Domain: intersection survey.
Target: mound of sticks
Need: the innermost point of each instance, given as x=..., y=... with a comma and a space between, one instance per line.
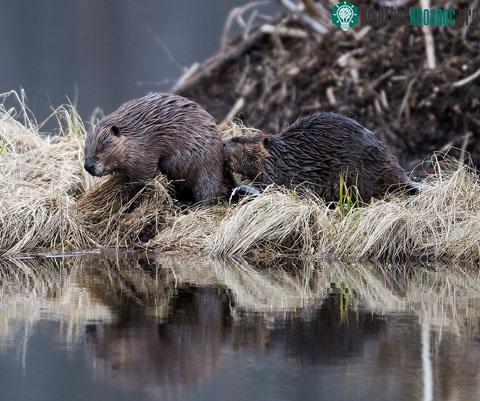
x=417, y=89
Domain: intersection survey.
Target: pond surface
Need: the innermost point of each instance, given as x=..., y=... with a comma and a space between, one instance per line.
x=177, y=328
x=102, y=53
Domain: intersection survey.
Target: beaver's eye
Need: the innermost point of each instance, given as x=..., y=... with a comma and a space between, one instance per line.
x=115, y=130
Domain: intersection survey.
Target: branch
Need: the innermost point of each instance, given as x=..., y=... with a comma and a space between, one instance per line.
x=429, y=42
x=305, y=18
x=466, y=80
x=311, y=9
x=237, y=13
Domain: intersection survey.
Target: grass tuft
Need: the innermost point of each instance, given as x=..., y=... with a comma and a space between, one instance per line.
x=49, y=201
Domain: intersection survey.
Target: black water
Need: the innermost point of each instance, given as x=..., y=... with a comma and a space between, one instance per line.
x=177, y=330
x=102, y=53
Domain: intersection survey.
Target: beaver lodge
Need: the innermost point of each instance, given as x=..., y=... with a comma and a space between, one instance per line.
x=267, y=76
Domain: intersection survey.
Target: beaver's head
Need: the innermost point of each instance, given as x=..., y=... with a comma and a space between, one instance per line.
x=246, y=154
x=104, y=149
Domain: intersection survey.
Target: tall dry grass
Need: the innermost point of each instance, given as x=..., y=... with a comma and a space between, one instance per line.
x=441, y=222
x=276, y=222
x=49, y=201
x=40, y=176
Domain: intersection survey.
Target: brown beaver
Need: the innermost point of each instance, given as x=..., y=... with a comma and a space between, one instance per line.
x=161, y=133
x=316, y=151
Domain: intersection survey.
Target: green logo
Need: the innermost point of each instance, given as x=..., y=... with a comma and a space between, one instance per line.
x=344, y=15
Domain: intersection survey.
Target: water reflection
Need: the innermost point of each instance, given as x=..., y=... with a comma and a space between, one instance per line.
x=170, y=327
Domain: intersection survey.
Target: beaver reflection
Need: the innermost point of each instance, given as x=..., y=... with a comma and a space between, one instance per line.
x=169, y=338
x=141, y=352
x=184, y=349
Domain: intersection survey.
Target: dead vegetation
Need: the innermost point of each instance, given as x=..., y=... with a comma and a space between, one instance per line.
x=48, y=202
x=417, y=89
x=273, y=72
x=44, y=202
x=441, y=222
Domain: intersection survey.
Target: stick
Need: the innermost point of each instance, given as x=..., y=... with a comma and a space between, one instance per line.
x=429, y=42
x=185, y=76
x=404, y=103
x=233, y=111
x=305, y=18
x=466, y=80
x=382, y=77
x=311, y=9
x=463, y=149
x=234, y=14
x=283, y=31
x=209, y=67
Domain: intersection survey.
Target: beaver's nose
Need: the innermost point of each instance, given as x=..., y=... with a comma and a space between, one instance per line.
x=90, y=166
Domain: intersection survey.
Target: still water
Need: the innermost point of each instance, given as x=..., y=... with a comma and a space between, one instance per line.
x=102, y=53
x=119, y=327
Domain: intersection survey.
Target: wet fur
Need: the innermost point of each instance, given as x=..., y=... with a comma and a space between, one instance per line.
x=315, y=151
x=161, y=133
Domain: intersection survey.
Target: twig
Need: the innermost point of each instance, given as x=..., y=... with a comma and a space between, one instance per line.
x=429, y=41
x=249, y=23
x=165, y=49
x=446, y=147
x=381, y=78
x=465, y=142
x=471, y=118
x=383, y=99
x=185, y=76
x=305, y=18
x=235, y=14
x=311, y=9
x=403, y=105
x=283, y=31
x=233, y=111
x=244, y=75
x=466, y=80
x=331, y=96
x=213, y=64
x=449, y=146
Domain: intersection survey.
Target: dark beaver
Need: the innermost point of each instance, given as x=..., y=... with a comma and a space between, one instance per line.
x=161, y=133
x=316, y=151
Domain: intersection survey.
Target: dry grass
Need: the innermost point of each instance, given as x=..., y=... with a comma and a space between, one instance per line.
x=441, y=222
x=278, y=221
x=40, y=178
x=48, y=201
x=109, y=216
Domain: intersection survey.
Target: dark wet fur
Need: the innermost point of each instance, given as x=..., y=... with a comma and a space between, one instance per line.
x=162, y=133
x=314, y=152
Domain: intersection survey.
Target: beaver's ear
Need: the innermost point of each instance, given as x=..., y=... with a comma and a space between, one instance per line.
x=115, y=130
